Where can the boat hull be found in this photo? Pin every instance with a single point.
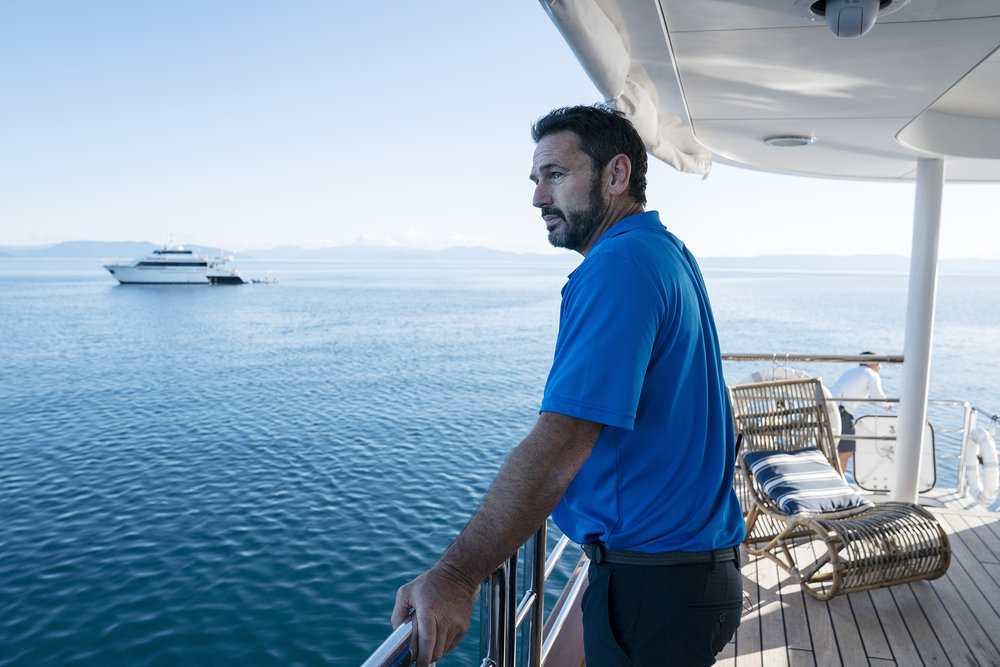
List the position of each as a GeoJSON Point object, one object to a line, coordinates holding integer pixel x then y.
{"type": "Point", "coordinates": [228, 279]}
{"type": "Point", "coordinates": [158, 275]}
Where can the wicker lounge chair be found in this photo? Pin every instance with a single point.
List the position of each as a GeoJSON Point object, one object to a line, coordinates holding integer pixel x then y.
{"type": "Point", "coordinates": [804, 517]}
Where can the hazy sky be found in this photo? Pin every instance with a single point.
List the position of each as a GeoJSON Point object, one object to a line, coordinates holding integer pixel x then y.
{"type": "Point", "coordinates": [250, 124]}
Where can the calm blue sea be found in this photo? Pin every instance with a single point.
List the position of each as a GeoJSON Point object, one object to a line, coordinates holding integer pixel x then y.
{"type": "Point", "coordinates": [244, 474]}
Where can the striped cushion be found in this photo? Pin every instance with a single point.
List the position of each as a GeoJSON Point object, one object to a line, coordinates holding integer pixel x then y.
{"type": "Point", "coordinates": [802, 481]}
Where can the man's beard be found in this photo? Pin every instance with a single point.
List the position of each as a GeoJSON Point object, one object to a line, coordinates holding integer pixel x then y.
{"type": "Point", "coordinates": [579, 226]}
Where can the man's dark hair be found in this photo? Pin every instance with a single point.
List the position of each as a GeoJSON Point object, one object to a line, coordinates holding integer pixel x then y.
{"type": "Point", "coordinates": [603, 133]}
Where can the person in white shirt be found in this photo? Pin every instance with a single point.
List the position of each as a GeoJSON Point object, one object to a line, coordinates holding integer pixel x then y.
{"type": "Point", "coordinates": [860, 382]}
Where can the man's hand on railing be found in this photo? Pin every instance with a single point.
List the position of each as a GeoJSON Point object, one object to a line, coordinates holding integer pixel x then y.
{"type": "Point", "coordinates": [439, 602]}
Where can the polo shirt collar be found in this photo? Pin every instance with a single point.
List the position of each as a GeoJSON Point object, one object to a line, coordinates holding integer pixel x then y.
{"type": "Point", "coordinates": [644, 220]}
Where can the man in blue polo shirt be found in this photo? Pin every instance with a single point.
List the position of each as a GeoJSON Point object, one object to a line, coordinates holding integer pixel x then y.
{"type": "Point", "coordinates": [633, 452]}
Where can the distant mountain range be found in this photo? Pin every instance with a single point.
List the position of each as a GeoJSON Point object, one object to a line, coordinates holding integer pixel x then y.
{"type": "Point", "coordinates": [79, 249]}
{"type": "Point", "coordinates": [815, 263]}
{"type": "Point", "coordinates": [130, 250]}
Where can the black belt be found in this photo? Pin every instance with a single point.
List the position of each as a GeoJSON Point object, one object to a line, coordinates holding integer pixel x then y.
{"type": "Point", "coordinates": [598, 553]}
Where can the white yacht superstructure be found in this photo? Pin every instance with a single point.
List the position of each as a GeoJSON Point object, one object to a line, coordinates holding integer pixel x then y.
{"type": "Point", "coordinates": [173, 266]}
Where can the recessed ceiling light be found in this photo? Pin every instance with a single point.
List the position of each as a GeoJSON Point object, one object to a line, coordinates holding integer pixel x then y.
{"type": "Point", "coordinates": [789, 141]}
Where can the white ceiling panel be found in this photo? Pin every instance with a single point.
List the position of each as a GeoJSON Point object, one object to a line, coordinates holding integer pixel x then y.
{"type": "Point", "coordinates": [739, 74]}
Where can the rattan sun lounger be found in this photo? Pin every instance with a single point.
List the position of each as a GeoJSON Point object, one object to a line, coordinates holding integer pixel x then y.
{"type": "Point", "coordinates": [803, 516]}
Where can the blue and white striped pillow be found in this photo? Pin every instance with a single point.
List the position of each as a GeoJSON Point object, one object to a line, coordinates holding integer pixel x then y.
{"type": "Point", "coordinates": [803, 481]}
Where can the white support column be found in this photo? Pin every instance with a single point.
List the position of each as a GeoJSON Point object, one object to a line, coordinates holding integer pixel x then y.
{"type": "Point", "coordinates": [919, 328]}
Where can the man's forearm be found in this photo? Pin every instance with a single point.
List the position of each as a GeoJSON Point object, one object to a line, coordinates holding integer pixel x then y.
{"type": "Point", "coordinates": [526, 490]}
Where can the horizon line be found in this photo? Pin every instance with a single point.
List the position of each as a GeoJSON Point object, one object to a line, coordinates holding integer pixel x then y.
{"type": "Point", "coordinates": [555, 253]}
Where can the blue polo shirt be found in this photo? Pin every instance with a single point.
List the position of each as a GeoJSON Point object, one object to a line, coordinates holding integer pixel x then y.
{"type": "Point", "coordinates": [638, 352]}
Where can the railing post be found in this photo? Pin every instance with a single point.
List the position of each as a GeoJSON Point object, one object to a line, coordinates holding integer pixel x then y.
{"type": "Point", "coordinates": [501, 614]}
{"type": "Point", "coordinates": [492, 612]}
{"type": "Point", "coordinates": [538, 586]}
{"type": "Point", "coordinates": [510, 614]}
{"type": "Point", "coordinates": [963, 460]}
{"type": "Point", "coordinates": [531, 608]}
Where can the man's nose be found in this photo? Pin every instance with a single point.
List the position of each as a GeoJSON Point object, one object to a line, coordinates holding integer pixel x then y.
{"type": "Point", "coordinates": [541, 197]}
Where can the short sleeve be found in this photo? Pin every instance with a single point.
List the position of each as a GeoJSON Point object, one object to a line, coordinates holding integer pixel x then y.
{"type": "Point", "coordinates": [608, 324]}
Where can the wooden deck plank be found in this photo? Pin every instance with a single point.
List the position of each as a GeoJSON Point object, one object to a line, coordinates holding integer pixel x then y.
{"type": "Point", "coordinates": [986, 531]}
{"type": "Point", "coordinates": [845, 628]}
{"type": "Point", "coordinates": [904, 652]}
{"type": "Point", "coordinates": [982, 643]}
{"type": "Point", "coordinates": [798, 630]}
{"type": "Point", "coordinates": [944, 621]}
{"type": "Point", "coordinates": [824, 640]}
{"type": "Point", "coordinates": [793, 604]}
{"type": "Point", "coordinates": [728, 654]}
{"type": "Point", "coordinates": [797, 658]}
{"type": "Point", "coordinates": [825, 648]}
{"type": "Point", "coordinates": [975, 537]}
{"type": "Point", "coordinates": [772, 622]}
{"type": "Point", "coordinates": [870, 628]}
{"type": "Point", "coordinates": [924, 638]}
{"type": "Point", "coordinates": [991, 525]}
{"type": "Point", "coordinates": [993, 569]}
{"type": "Point", "coordinates": [748, 635]}
{"type": "Point", "coordinates": [973, 581]}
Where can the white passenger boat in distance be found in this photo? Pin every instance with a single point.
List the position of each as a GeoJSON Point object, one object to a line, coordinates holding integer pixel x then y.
{"type": "Point", "coordinates": [165, 266]}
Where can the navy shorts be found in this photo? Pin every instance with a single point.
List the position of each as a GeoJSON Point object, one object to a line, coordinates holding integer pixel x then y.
{"type": "Point", "coordinates": [655, 615]}
{"type": "Point", "coordinates": [846, 428]}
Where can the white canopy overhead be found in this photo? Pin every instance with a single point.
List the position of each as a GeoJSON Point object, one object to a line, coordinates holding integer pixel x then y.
{"type": "Point", "coordinates": [711, 80]}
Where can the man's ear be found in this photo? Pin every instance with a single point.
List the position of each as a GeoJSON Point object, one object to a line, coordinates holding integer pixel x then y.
{"type": "Point", "coordinates": [619, 169]}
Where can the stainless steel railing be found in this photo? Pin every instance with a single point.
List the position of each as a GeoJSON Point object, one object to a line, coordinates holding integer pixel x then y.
{"type": "Point", "coordinates": [971, 416]}
{"type": "Point", "coordinates": [394, 651]}
{"type": "Point", "coordinates": [817, 358]}
{"type": "Point", "coordinates": [502, 614]}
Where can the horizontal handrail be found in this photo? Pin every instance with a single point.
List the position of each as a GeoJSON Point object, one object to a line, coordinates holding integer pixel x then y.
{"type": "Point", "coordinates": [818, 358]}
{"type": "Point", "coordinates": [394, 651]}
{"type": "Point", "coordinates": [524, 608]}
{"type": "Point", "coordinates": [557, 553]}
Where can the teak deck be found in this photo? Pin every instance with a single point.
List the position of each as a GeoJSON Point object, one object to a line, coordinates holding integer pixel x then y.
{"type": "Point", "coordinates": [953, 620]}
